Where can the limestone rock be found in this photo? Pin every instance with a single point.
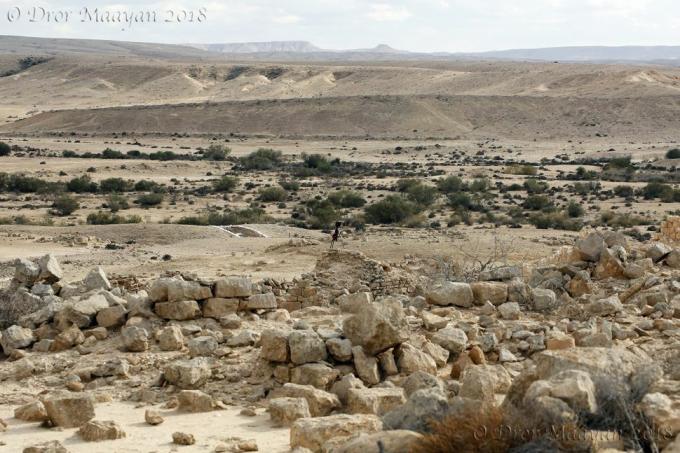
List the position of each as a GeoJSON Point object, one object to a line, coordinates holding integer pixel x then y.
{"type": "Point", "coordinates": [96, 431]}
{"type": "Point", "coordinates": [135, 339]}
{"type": "Point", "coordinates": [320, 402]}
{"type": "Point", "coordinates": [591, 246]}
{"type": "Point", "coordinates": [306, 346]}
{"type": "Point", "coordinates": [96, 279]}
{"type": "Point", "coordinates": [494, 292]}
{"type": "Point", "coordinates": [340, 349]}
{"type": "Point", "coordinates": [421, 407]}
{"type": "Point", "coordinates": [153, 417]}
{"type": "Point", "coordinates": [411, 360]}
{"type": "Point", "coordinates": [194, 401]}
{"type": "Point", "coordinates": [233, 287]}
{"type": "Point", "coordinates": [69, 410]}
{"type": "Point", "coordinates": [274, 345]}
{"type": "Point", "coordinates": [15, 337]}
{"type": "Point", "coordinates": [188, 374]}
{"type": "Point", "coordinates": [377, 327]}
{"type": "Point", "coordinates": [366, 366]}
{"type": "Point", "coordinates": [259, 302]}
{"type": "Point", "coordinates": [451, 293]}
{"type": "Point", "coordinates": [182, 438]}
{"type": "Point", "coordinates": [203, 346]}
{"type": "Point", "coordinates": [111, 316]}
{"type": "Point", "coordinates": [312, 433]}
{"type": "Point", "coordinates": [179, 311]}
{"type": "Point", "coordinates": [318, 375]}
{"type": "Point", "coordinates": [396, 441]}
{"type": "Point", "coordinates": [375, 400]}
{"type": "Point", "coordinates": [217, 307]}
{"type": "Point", "coordinates": [181, 290]}
{"type": "Point", "coordinates": [170, 338]}
{"type": "Point", "coordinates": [284, 411]}
{"type": "Point", "coordinates": [51, 446]}
{"type": "Point", "coordinates": [452, 339]}
{"type": "Point", "coordinates": [31, 412]}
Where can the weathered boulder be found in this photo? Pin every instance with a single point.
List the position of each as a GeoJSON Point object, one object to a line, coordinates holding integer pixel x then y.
{"type": "Point", "coordinates": [603, 307]}
{"type": "Point", "coordinates": [306, 346]}
{"type": "Point", "coordinates": [194, 401]}
{"type": "Point", "coordinates": [432, 321]}
{"type": "Point", "coordinates": [574, 387]}
{"type": "Point", "coordinates": [153, 417]}
{"type": "Point", "coordinates": [591, 246]}
{"type": "Point", "coordinates": [135, 339]}
{"type": "Point", "coordinates": [203, 346]}
{"type": "Point", "coordinates": [377, 327]}
{"type": "Point", "coordinates": [31, 412]}
{"type": "Point", "coordinates": [170, 338]}
{"type": "Point", "coordinates": [341, 387]}
{"type": "Point", "coordinates": [451, 293]}
{"type": "Point", "coordinates": [15, 337]}
{"type": "Point", "coordinates": [26, 271]}
{"type": "Point", "coordinates": [217, 307]}
{"type": "Point", "coordinates": [179, 311]}
{"type": "Point", "coordinates": [96, 431]}
{"type": "Point", "coordinates": [312, 433]}
{"type": "Point", "coordinates": [422, 407]}
{"type": "Point", "coordinates": [233, 287]}
{"type": "Point", "coordinates": [51, 446]}
{"type": "Point", "coordinates": [509, 311]}
{"type": "Point", "coordinates": [284, 411]}
{"type": "Point", "coordinates": [319, 401]}
{"type": "Point", "coordinates": [411, 359]}
{"type": "Point", "coordinates": [452, 339]}
{"type": "Point", "coordinates": [50, 270]}
{"type": "Point", "coordinates": [477, 383]}
{"type": "Point", "coordinates": [351, 303]}
{"type": "Point", "coordinates": [543, 299]}
{"type": "Point", "coordinates": [274, 345]}
{"type": "Point", "coordinates": [259, 302]}
{"type": "Point", "coordinates": [69, 410]}
{"type": "Point", "coordinates": [340, 349]}
{"type": "Point", "coordinates": [609, 266]}
{"type": "Point", "coordinates": [377, 400]}
{"type": "Point", "coordinates": [396, 441]}
{"type": "Point", "coordinates": [421, 380]}
{"type": "Point", "coordinates": [181, 290]}
{"type": "Point", "coordinates": [318, 375]}
{"type": "Point", "coordinates": [366, 366]}
{"type": "Point", "coordinates": [111, 316]}
{"type": "Point", "coordinates": [67, 339]}
{"type": "Point", "coordinates": [494, 292]}
{"type": "Point", "coordinates": [96, 279]}
{"type": "Point", "coordinates": [658, 251]}
{"type": "Point", "coordinates": [188, 374]}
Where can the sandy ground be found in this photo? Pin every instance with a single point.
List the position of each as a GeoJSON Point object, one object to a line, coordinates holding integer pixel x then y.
{"type": "Point", "coordinates": [209, 429]}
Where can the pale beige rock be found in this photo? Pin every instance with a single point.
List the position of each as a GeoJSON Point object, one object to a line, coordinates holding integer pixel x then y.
{"type": "Point", "coordinates": [284, 411]}
{"type": "Point", "coordinates": [96, 431]}
{"type": "Point", "coordinates": [312, 433]}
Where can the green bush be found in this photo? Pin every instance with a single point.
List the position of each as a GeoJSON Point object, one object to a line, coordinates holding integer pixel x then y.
{"type": "Point", "coordinates": [450, 184]}
{"type": "Point", "coordinates": [271, 194]}
{"type": "Point", "coordinates": [620, 163]}
{"type": "Point", "coordinates": [671, 154]}
{"type": "Point", "coordinates": [624, 191]}
{"type": "Point", "coordinates": [109, 153]}
{"type": "Point", "coordinates": [346, 199]}
{"type": "Point", "coordinates": [655, 189]}
{"type": "Point", "coordinates": [290, 186]}
{"type": "Point", "coordinates": [262, 159]}
{"type": "Point", "coordinates": [317, 162]}
{"type": "Point", "coordinates": [107, 218]}
{"type": "Point", "coordinates": [216, 152]}
{"type": "Point", "coordinates": [322, 214]}
{"type": "Point", "coordinates": [585, 188]}
{"type": "Point", "coordinates": [479, 185]}
{"type": "Point", "coordinates": [117, 202]}
{"type": "Point", "coordinates": [574, 209]}
{"type": "Point", "coordinates": [115, 185]}
{"type": "Point", "coordinates": [150, 199]}
{"type": "Point", "coordinates": [82, 184]}
{"type": "Point", "coordinates": [391, 209]}
{"type": "Point", "coordinates": [65, 205]}
{"type": "Point", "coordinates": [537, 203]}
{"type": "Point", "coordinates": [225, 184]}
{"type": "Point", "coordinates": [519, 169]}
{"type": "Point", "coordinates": [248, 215]}
{"type": "Point", "coordinates": [555, 220]}
{"type": "Point", "coordinates": [403, 185]}
{"type": "Point", "coordinates": [534, 186]}
{"type": "Point", "coordinates": [5, 149]}
{"type": "Point", "coordinates": [69, 154]}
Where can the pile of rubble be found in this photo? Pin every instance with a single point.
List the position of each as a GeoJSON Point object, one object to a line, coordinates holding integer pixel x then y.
{"type": "Point", "coordinates": [352, 364]}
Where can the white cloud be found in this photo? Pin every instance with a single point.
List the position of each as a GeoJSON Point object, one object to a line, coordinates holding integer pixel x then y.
{"type": "Point", "coordinates": [383, 12]}
{"type": "Point", "coordinates": [287, 19]}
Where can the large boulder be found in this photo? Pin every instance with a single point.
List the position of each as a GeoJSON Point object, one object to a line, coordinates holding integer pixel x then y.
{"type": "Point", "coordinates": [233, 287]}
{"type": "Point", "coordinates": [50, 270]}
{"type": "Point", "coordinates": [195, 401]}
{"type": "Point", "coordinates": [306, 346]}
{"type": "Point", "coordinates": [135, 339]}
{"type": "Point", "coordinates": [26, 271]}
{"type": "Point", "coordinates": [494, 292]}
{"type": "Point", "coordinates": [340, 349]}
{"type": "Point", "coordinates": [319, 401]}
{"type": "Point", "coordinates": [178, 311]}
{"type": "Point", "coordinates": [284, 411]}
{"type": "Point", "coordinates": [31, 412]}
{"type": "Point", "coordinates": [452, 339]}
{"type": "Point", "coordinates": [312, 433]}
{"type": "Point", "coordinates": [658, 251]}
{"type": "Point", "coordinates": [604, 307]}
{"type": "Point", "coordinates": [265, 301]}
{"type": "Point", "coordinates": [69, 410]}
{"type": "Point", "coordinates": [15, 337]}
{"type": "Point", "coordinates": [377, 400]}
{"type": "Point", "coordinates": [396, 441]}
{"type": "Point", "coordinates": [96, 279]}
{"type": "Point", "coordinates": [96, 431]}
{"type": "Point", "coordinates": [318, 375]}
{"type": "Point", "coordinates": [591, 246]}
{"type": "Point", "coordinates": [377, 327]}
{"type": "Point", "coordinates": [366, 366]}
{"type": "Point", "coordinates": [181, 290]}
{"type": "Point", "coordinates": [188, 374]}
{"type": "Point", "coordinates": [422, 407]}
{"type": "Point", "coordinates": [274, 345]}
{"type": "Point", "coordinates": [170, 338]}
{"type": "Point", "coordinates": [451, 293]}
{"type": "Point", "coordinates": [411, 359]}
{"type": "Point", "coordinates": [217, 307]}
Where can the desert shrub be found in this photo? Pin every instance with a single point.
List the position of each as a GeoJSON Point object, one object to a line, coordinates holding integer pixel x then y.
{"type": "Point", "coordinates": [65, 205]}
{"type": "Point", "coordinates": [318, 162]}
{"type": "Point", "coordinates": [479, 185]}
{"type": "Point", "coordinates": [671, 154]}
{"type": "Point", "coordinates": [450, 184]}
{"type": "Point", "coordinates": [461, 200]}
{"type": "Point", "coordinates": [290, 186]}
{"type": "Point", "coordinates": [585, 188]}
{"type": "Point", "coordinates": [116, 202]}
{"type": "Point", "coordinates": [538, 203]}
{"type": "Point", "coordinates": [583, 174]}
{"type": "Point", "coordinates": [225, 184]}
{"type": "Point", "coordinates": [150, 199]}
{"type": "Point", "coordinates": [619, 163]}
{"type": "Point", "coordinates": [216, 152]}
{"type": "Point", "coordinates": [109, 153]}
{"type": "Point", "coordinates": [248, 215]}
{"type": "Point", "coordinates": [321, 214]}
{"type": "Point", "coordinates": [5, 149]}
{"type": "Point", "coordinates": [391, 209]}
{"type": "Point", "coordinates": [107, 218]}
{"type": "Point", "coordinates": [115, 185]}
{"type": "Point", "coordinates": [624, 191]}
{"type": "Point", "coordinates": [144, 185]}
{"type": "Point", "coordinates": [270, 194]}
{"type": "Point", "coordinates": [518, 169]}
{"type": "Point", "coordinates": [346, 199]}
{"type": "Point", "coordinates": [534, 186]}
{"type": "Point", "coordinates": [82, 184]}
{"type": "Point", "coordinates": [29, 184]}
{"type": "Point", "coordinates": [164, 156]}
{"type": "Point", "coordinates": [614, 220]}
{"type": "Point", "coordinates": [422, 194]}
{"type": "Point", "coordinates": [262, 159]}
{"type": "Point", "coordinates": [555, 220]}
{"type": "Point", "coordinates": [405, 184]}
{"type": "Point", "coordinates": [655, 189]}
{"type": "Point", "coordinates": [574, 209]}
{"type": "Point", "coordinates": [69, 154]}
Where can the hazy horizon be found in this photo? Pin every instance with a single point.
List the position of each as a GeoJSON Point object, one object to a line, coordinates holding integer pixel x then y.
{"type": "Point", "coordinates": [416, 26]}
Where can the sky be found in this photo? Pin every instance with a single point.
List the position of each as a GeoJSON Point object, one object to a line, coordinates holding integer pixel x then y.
{"type": "Point", "coordinates": [415, 25]}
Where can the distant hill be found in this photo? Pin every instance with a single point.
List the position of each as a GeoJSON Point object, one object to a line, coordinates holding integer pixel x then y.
{"type": "Point", "coordinates": [259, 47]}
{"type": "Point", "coordinates": [590, 53]}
